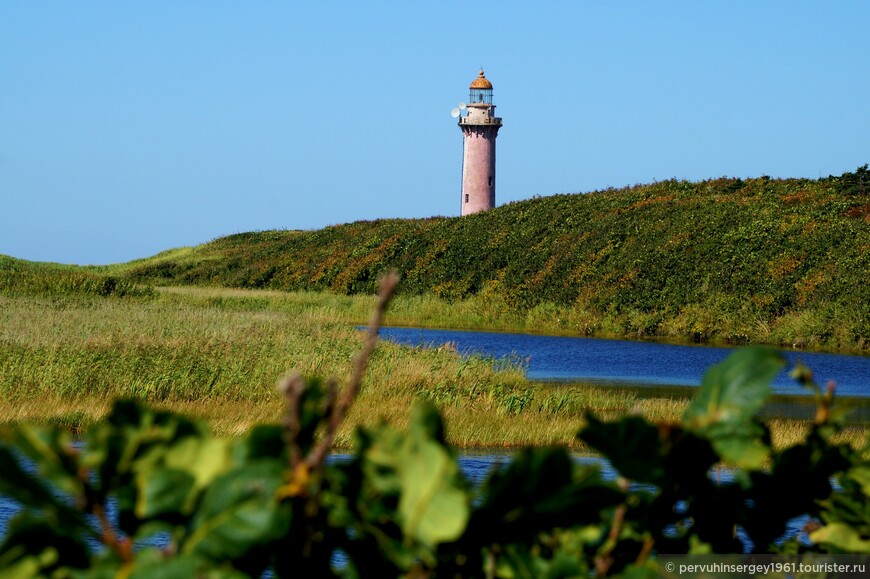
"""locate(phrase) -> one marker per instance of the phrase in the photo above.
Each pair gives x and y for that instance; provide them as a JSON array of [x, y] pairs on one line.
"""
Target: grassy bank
[[216, 354], [770, 261]]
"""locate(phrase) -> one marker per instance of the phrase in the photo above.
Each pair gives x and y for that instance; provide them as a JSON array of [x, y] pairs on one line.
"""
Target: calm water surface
[[621, 362]]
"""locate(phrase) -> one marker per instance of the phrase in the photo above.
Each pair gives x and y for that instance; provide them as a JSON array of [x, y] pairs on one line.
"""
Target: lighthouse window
[[466, 197], [490, 181]]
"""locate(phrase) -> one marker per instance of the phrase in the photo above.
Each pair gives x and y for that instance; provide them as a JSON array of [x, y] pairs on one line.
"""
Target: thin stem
[[341, 408], [120, 545], [292, 386], [604, 560]]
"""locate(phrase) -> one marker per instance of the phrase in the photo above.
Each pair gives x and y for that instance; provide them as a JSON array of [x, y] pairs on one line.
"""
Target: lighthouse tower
[[479, 128]]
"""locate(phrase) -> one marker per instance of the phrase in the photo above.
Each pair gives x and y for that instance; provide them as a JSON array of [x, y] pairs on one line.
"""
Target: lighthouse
[[479, 127]]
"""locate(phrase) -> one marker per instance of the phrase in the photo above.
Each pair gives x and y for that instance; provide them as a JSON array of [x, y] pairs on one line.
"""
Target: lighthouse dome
[[480, 82]]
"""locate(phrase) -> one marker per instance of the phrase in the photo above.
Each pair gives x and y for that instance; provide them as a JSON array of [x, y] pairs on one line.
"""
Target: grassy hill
[[19, 277], [762, 260]]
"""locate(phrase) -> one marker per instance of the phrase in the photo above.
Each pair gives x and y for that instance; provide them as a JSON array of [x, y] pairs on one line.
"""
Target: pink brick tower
[[479, 128]]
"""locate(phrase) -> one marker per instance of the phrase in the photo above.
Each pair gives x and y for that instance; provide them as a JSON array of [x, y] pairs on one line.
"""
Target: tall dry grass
[[216, 354]]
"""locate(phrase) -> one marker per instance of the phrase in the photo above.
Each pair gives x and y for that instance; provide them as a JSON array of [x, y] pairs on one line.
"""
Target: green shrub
[[400, 506], [642, 257], [22, 278]]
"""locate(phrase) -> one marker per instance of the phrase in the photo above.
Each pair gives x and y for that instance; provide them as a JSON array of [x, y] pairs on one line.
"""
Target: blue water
[[621, 362]]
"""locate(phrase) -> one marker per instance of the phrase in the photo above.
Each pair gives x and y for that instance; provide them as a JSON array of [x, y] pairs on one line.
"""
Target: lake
[[627, 363]]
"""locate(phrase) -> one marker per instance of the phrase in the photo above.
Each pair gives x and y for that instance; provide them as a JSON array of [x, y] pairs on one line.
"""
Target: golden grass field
[[216, 354]]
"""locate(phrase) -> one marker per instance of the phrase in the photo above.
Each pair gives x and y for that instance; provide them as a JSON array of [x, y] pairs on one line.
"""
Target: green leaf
[[151, 564], [434, 506], [51, 451], [204, 458], [238, 513], [743, 452], [150, 528], [739, 443], [262, 441], [170, 477], [842, 537], [132, 440], [382, 458], [539, 490], [31, 492], [648, 570], [735, 389], [29, 567], [163, 491], [412, 496], [19, 484], [517, 563], [731, 394], [861, 475], [631, 445], [40, 536]]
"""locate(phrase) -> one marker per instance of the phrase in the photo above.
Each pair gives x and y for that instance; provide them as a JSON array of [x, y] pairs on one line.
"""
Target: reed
[[216, 354]]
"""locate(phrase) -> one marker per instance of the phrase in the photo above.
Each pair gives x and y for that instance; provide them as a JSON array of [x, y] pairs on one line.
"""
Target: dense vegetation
[[756, 260], [23, 278], [189, 504], [215, 353]]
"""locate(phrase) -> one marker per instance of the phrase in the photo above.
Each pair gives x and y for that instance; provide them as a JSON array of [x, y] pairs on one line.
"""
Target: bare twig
[[122, 546], [645, 551], [604, 559], [490, 562], [339, 411], [291, 387], [331, 397], [823, 410]]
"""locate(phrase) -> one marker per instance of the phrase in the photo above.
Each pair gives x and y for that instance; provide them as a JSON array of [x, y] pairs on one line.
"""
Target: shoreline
[[666, 340], [788, 418], [216, 354]]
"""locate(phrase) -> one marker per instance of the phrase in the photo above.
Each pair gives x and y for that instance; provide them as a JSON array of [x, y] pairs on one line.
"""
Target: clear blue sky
[[127, 128]]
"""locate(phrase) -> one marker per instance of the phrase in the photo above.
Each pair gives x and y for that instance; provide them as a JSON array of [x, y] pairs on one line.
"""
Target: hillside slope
[[779, 261]]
